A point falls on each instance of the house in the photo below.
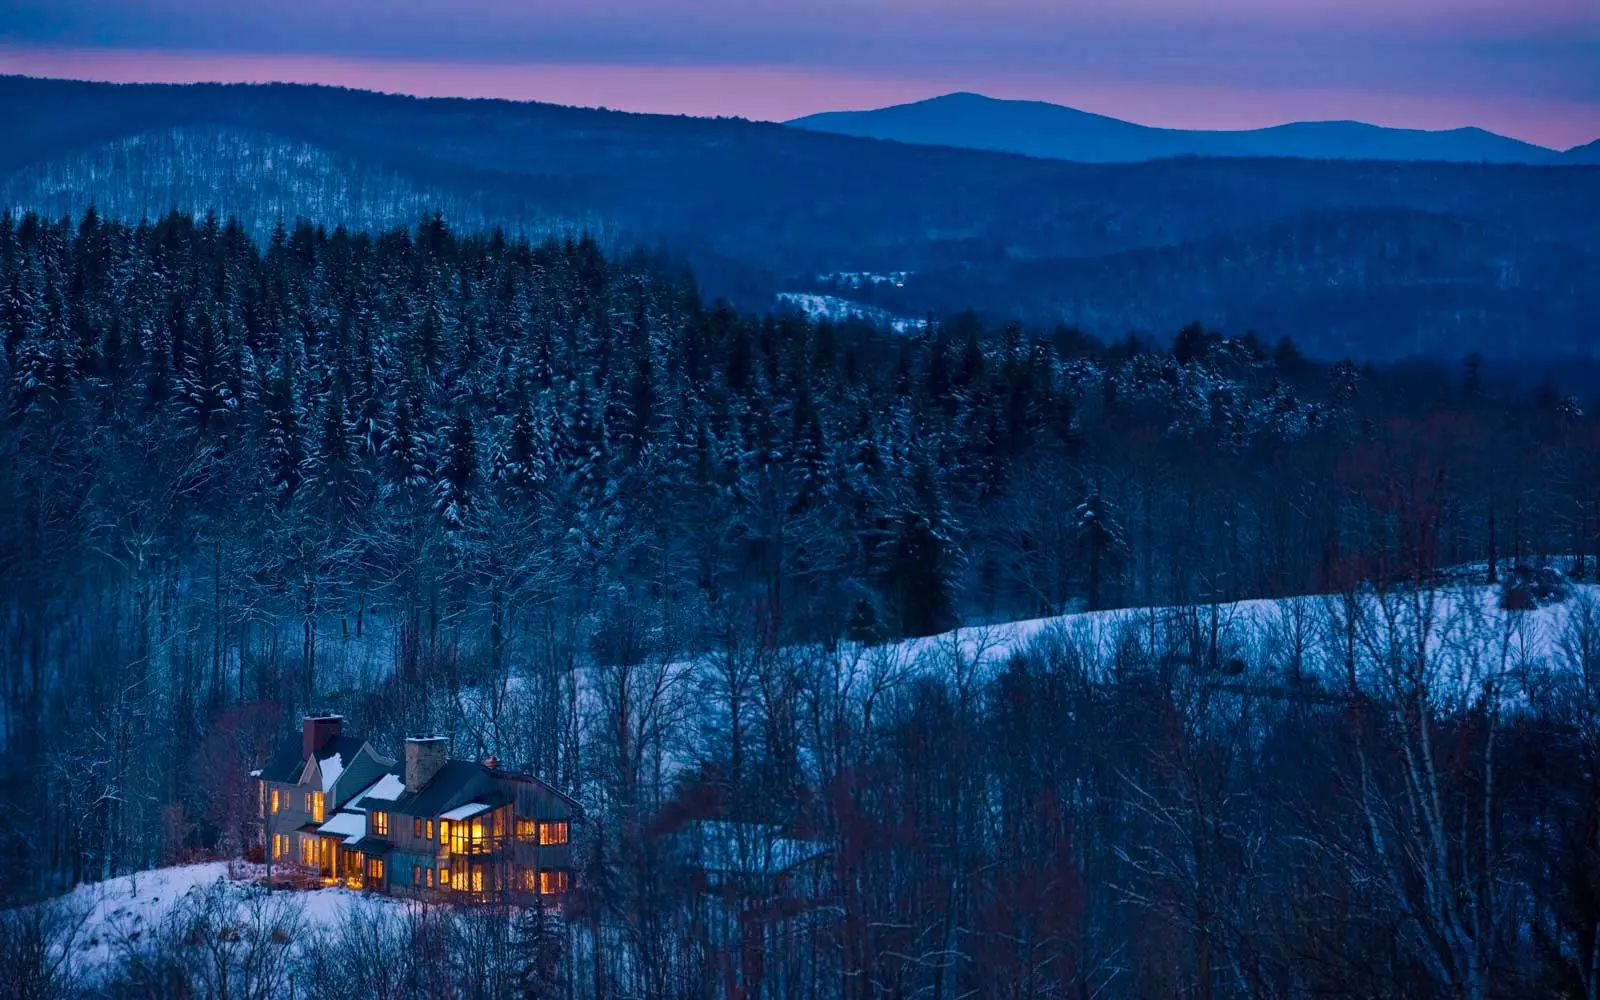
(422, 826)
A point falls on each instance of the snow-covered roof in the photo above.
(256, 773)
(331, 768)
(389, 787)
(383, 792)
(352, 826)
(467, 811)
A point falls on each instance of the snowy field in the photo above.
(122, 916)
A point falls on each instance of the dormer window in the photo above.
(380, 823)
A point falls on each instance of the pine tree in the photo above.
(458, 471)
(283, 444)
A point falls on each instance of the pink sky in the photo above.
(779, 93)
(1528, 68)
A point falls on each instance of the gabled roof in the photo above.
(446, 789)
(287, 765)
(457, 781)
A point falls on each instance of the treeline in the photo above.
(555, 506)
(1394, 795)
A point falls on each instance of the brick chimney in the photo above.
(425, 755)
(317, 730)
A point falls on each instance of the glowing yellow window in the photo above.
(428, 830)
(444, 878)
(553, 881)
(380, 824)
(316, 806)
(554, 833)
(526, 828)
(477, 878)
(375, 867)
(274, 800)
(529, 879)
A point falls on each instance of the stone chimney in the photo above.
(317, 730)
(425, 755)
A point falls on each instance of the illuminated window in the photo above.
(375, 869)
(308, 851)
(416, 874)
(429, 878)
(380, 824)
(554, 833)
(262, 788)
(553, 881)
(308, 802)
(427, 830)
(280, 845)
(529, 879)
(416, 827)
(315, 807)
(274, 800)
(444, 832)
(527, 829)
(477, 878)
(498, 824)
(444, 878)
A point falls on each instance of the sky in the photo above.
(1528, 68)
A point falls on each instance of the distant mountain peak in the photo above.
(1055, 131)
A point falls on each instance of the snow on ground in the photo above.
(858, 279)
(1471, 639)
(121, 912)
(836, 309)
(1473, 645)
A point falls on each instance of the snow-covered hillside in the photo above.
(115, 920)
(837, 309)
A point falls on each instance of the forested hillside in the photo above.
(554, 505)
(761, 209)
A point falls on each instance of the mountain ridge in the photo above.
(1041, 129)
(758, 209)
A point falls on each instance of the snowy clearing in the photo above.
(836, 310)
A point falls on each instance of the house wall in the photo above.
(291, 815)
(501, 870)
